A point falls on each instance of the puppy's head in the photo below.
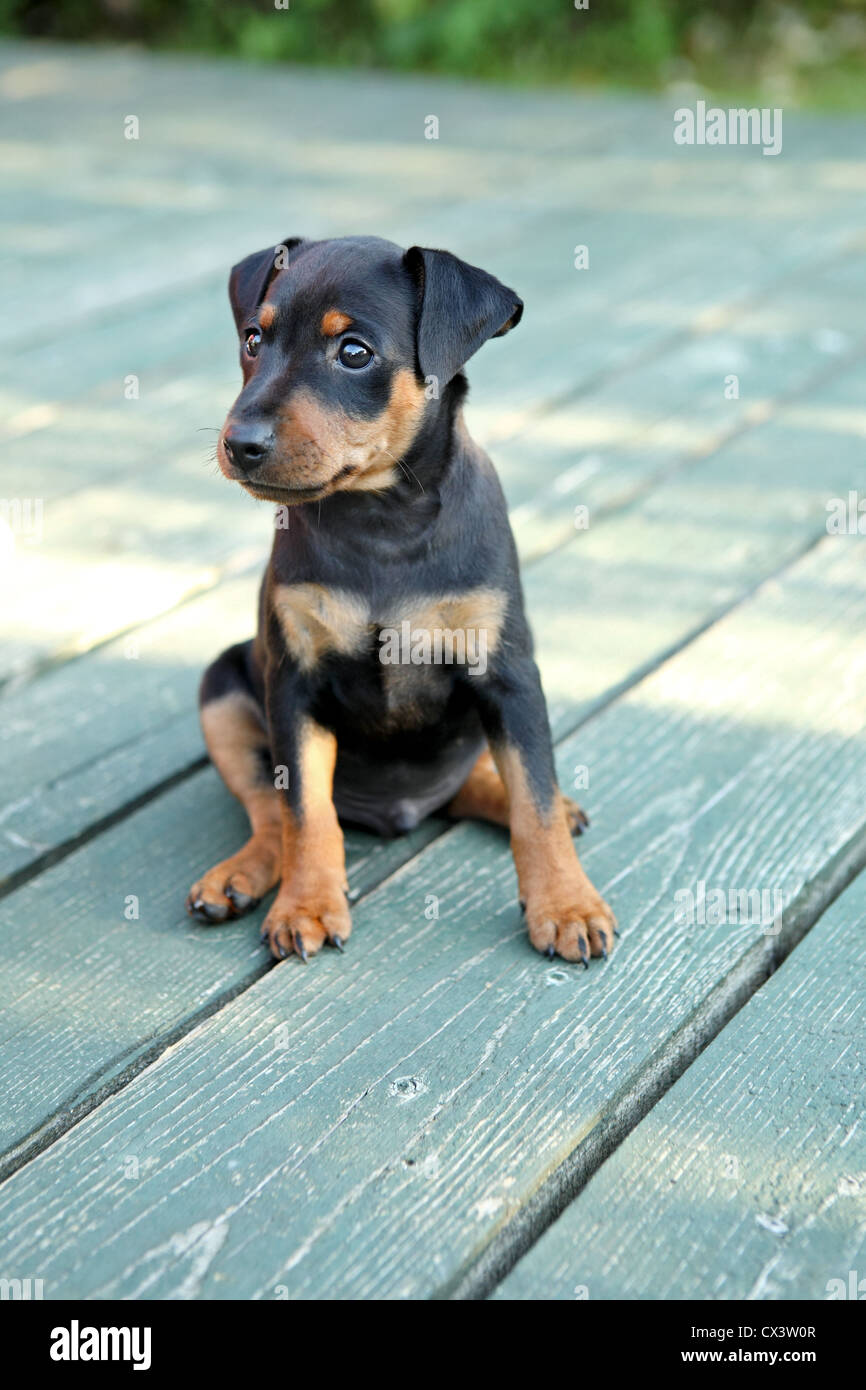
(344, 346)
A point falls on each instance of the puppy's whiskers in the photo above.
(407, 472)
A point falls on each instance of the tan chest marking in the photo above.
(316, 621)
(473, 612)
(426, 638)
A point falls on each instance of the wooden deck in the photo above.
(440, 1112)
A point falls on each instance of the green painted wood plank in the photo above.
(368, 1126)
(120, 553)
(633, 588)
(189, 84)
(646, 579)
(91, 736)
(608, 450)
(195, 156)
(192, 172)
(748, 1179)
(97, 1029)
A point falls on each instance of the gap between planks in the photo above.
(657, 1076)
(706, 322)
(753, 418)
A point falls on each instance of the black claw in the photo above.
(604, 953)
(209, 912)
(616, 933)
(584, 955)
(550, 952)
(281, 950)
(338, 942)
(300, 947)
(264, 939)
(241, 902)
(352, 894)
(522, 904)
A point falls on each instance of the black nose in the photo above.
(248, 445)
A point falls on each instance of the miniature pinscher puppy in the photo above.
(392, 673)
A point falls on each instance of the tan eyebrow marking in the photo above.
(333, 322)
(266, 315)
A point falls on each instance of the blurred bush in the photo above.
(737, 43)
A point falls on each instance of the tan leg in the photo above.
(564, 912)
(311, 906)
(236, 739)
(483, 797)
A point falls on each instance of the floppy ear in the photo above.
(250, 278)
(460, 308)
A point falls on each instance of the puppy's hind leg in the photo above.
(234, 729)
(483, 796)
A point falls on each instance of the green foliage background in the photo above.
(816, 47)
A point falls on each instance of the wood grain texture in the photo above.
(207, 145)
(127, 967)
(748, 1179)
(91, 736)
(368, 1127)
(610, 446)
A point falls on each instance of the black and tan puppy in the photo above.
(392, 522)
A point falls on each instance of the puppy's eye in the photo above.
(252, 339)
(354, 354)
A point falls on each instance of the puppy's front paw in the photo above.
(236, 885)
(301, 922)
(570, 919)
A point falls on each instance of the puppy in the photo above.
(392, 673)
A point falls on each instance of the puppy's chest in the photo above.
(416, 640)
